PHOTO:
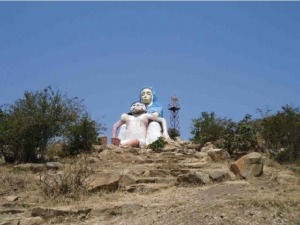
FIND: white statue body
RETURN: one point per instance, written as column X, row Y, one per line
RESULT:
column 155, row 129
column 136, row 125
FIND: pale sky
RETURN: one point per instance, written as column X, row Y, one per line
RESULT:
column 224, row 57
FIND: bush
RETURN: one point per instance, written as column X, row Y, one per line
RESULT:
column 158, row 144
column 33, row 122
column 173, row 133
column 240, row 138
column 236, row 138
column 208, row 128
column 80, row 136
column 281, row 133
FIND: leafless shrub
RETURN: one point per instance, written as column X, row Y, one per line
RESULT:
column 69, row 182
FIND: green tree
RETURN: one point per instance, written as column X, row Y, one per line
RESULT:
column 36, row 120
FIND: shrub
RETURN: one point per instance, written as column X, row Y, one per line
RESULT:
column 281, row 133
column 36, row 120
column 236, row 138
column 158, row 144
column 208, row 128
column 173, row 133
column 239, row 138
column 80, row 136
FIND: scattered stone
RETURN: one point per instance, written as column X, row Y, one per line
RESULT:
column 53, row 212
column 287, row 177
column 32, row 167
column 12, row 198
column 11, row 211
column 126, row 180
column 32, row 221
column 200, row 155
column 196, row 165
column 2, row 161
column 146, row 188
column 177, row 172
column 219, row 175
column 169, row 147
column 10, row 222
column 54, row 165
column 98, row 148
column 194, row 146
column 237, row 182
column 204, row 177
column 207, row 146
column 194, row 178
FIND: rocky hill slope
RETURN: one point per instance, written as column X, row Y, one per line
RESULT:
column 181, row 184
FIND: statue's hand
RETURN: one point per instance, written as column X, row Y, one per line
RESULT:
column 155, row 114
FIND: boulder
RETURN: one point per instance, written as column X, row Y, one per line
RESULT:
column 248, row 165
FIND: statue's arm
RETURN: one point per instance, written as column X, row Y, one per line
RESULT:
column 117, row 125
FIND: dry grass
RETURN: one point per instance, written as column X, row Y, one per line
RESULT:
column 15, row 181
column 68, row 184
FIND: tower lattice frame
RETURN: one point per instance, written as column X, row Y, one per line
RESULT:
column 174, row 108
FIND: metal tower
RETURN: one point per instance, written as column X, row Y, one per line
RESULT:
column 174, row 108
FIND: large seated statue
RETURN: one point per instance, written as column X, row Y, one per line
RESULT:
column 154, row 130
column 137, row 122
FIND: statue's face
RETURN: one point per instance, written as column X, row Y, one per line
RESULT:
column 137, row 108
column 146, row 96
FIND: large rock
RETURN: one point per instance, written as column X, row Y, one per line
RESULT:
column 248, row 165
column 108, row 181
column 218, row 155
